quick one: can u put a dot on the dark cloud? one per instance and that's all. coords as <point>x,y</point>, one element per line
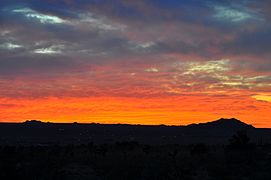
<point>255,43</point>
<point>54,38</point>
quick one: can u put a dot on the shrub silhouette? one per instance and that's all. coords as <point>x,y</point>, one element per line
<point>240,140</point>
<point>132,160</point>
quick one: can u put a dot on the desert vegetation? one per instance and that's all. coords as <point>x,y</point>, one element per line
<point>239,159</point>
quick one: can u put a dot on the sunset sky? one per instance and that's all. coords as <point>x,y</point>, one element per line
<point>171,62</point>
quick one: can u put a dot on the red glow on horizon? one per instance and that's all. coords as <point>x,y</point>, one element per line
<point>169,111</point>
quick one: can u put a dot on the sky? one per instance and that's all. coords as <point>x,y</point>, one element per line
<point>172,62</point>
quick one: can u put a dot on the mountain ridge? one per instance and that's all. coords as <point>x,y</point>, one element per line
<point>222,122</point>
<point>36,132</point>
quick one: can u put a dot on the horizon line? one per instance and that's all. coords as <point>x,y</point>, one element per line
<point>131,124</point>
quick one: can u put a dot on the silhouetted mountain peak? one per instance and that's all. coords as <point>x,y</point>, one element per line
<point>33,122</point>
<point>224,123</point>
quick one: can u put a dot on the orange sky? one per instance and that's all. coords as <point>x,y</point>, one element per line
<point>172,93</point>
<point>171,110</point>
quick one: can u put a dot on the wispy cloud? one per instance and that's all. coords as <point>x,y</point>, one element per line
<point>34,15</point>
<point>231,14</point>
<point>10,46</point>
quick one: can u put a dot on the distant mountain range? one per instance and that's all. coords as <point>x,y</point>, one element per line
<point>215,132</point>
<point>220,123</point>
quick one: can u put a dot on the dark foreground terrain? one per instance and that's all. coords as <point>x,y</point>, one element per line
<point>43,134</point>
<point>226,149</point>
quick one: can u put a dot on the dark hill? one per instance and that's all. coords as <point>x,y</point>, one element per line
<point>226,124</point>
<point>33,122</point>
<point>38,132</point>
